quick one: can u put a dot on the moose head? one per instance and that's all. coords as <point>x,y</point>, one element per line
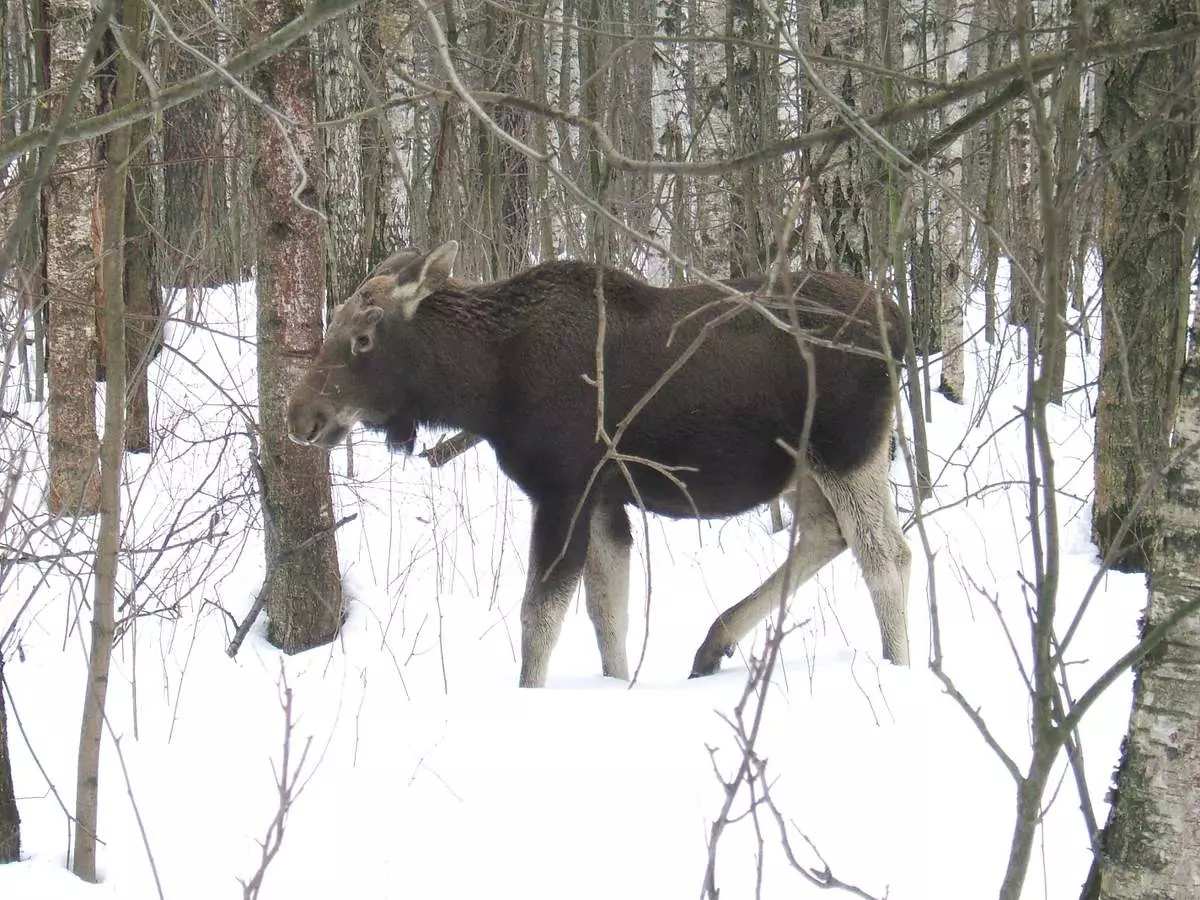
<point>371,356</point>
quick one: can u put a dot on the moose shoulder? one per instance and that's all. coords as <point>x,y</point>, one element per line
<point>703,395</point>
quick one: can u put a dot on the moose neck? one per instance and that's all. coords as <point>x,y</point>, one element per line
<point>458,379</point>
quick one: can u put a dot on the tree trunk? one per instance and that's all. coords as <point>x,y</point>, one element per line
<point>1147,123</point>
<point>503,170</point>
<point>391,138</point>
<point>198,244</point>
<point>1151,846</point>
<point>70,279</point>
<point>304,597</point>
<point>847,225</point>
<point>949,221</point>
<point>10,819</point>
<point>752,85</point>
<point>132,14</point>
<point>143,302</point>
<point>340,96</point>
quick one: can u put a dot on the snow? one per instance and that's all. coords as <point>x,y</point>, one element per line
<point>427,773</point>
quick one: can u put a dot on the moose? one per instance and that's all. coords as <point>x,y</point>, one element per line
<point>598,391</point>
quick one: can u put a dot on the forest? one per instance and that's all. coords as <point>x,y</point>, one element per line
<point>231,661</point>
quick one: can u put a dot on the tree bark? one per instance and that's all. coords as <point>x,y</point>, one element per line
<point>846,228</point>
<point>1147,123</point>
<point>10,819</point>
<point>752,85</point>
<point>340,96</point>
<point>132,14</point>
<point>304,597</point>
<point>70,279</point>
<point>143,301</point>
<point>197,249</point>
<point>1151,846</point>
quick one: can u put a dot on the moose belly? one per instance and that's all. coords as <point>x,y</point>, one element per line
<point>713,478</point>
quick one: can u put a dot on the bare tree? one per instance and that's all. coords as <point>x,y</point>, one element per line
<point>1145,126</point>
<point>70,271</point>
<point>10,819</point>
<point>132,22</point>
<point>198,242</point>
<point>1148,420</point>
<point>304,594</point>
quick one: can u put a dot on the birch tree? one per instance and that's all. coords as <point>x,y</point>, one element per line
<point>1146,124</point>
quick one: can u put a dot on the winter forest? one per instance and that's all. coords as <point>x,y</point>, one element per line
<point>236,662</point>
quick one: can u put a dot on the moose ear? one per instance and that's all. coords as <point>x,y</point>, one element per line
<point>362,337</point>
<point>435,269</point>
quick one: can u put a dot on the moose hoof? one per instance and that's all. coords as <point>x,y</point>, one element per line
<point>708,660</point>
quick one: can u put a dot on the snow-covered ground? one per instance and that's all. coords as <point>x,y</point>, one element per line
<point>426,773</point>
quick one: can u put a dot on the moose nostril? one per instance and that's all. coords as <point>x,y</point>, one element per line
<point>318,425</point>
<point>304,429</point>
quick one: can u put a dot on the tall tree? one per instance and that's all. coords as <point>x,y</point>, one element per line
<point>132,17</point>
<point>70,279</point>
<point>1150,407</point>
<point>752,85</point>
<point>10,819</point>
<point>1147,125</point>
<point>1151,843</point>
<point>504,171</point>
<point>340,96</point>
<point>198,246</point>
<point>143,301</point>
<point>303,587</point>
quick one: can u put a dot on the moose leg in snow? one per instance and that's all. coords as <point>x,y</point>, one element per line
<point>866,514</point>
<point>556,555</point>
<point>818,540</point>
<point>606,584</point>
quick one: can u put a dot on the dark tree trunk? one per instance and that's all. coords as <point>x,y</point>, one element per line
<point>198,246</point>
<point>1147,121</point>
<point>303,589</point>
<point>71,279</point>
<point>10,820</point>
<point>504,171</point>
<point>142,299</point>
<point>752,85</point>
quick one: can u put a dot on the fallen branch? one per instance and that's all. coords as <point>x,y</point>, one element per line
<point>448,448</point>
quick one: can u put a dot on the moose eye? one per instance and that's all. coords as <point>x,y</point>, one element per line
<point>361,343</point>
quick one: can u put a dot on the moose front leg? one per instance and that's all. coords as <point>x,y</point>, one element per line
<point>553,575</point>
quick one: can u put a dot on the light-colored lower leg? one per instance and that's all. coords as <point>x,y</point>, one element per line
<point>542,614</point>
<point>866,513</point>
<point>818,541</point>
<point>606,584</point>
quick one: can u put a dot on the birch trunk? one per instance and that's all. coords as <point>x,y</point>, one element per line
<point>1149,120</point>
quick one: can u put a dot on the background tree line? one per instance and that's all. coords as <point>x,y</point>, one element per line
<point>152,150</point>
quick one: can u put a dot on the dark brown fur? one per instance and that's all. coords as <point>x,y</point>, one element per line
<point>515,361</point>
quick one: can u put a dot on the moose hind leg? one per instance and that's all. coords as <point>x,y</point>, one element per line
<point>862,502</point>
<point>606,584</point>
<point>547,596</point>
<point>818,541</point>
